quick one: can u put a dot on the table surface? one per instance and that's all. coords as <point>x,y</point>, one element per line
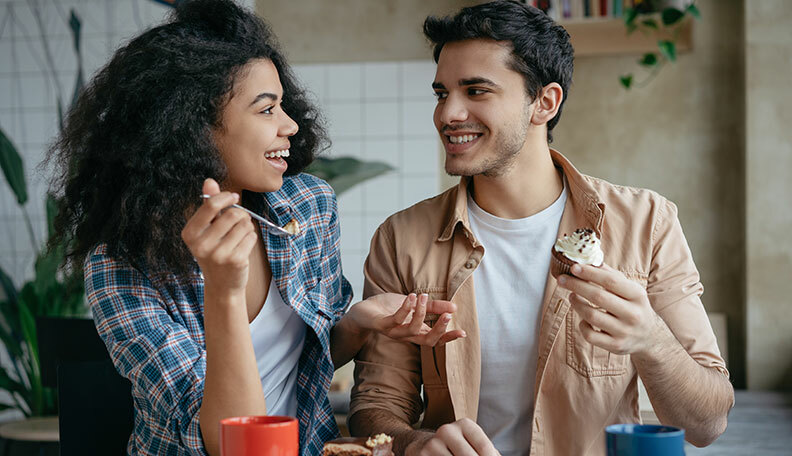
<point>41,429</point>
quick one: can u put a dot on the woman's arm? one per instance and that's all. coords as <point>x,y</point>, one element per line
<point>221,243</point>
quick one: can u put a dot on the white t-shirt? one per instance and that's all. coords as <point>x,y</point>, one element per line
<point>509,284</point>
<point>278,335</point>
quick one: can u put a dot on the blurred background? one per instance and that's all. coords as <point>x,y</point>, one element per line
<point>706,124</point>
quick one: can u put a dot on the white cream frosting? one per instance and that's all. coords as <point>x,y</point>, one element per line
<point>583,246</point>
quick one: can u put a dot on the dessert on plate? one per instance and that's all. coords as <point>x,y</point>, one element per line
<point>379,445</point>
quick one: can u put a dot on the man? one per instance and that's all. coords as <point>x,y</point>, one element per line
<point>540,371</point>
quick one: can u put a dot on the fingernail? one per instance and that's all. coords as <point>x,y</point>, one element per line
<point>447,318</point>
<point>576,269</point>
<point>562,279</point>
<point>464,334</point>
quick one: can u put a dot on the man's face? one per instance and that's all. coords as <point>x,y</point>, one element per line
<point>483,113</point>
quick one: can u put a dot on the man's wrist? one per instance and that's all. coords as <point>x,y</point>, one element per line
<point>417,440</point>
<point>660,340</point>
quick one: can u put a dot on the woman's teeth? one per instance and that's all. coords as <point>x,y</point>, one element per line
<point>277,153</point>
<point>461,139</point>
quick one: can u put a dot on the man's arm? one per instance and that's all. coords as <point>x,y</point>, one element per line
<point>664,329</point>
<point>675,382</point>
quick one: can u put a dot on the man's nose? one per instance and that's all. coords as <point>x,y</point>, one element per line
<point>453,110</point>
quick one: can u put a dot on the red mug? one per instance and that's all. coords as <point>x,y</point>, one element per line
<point>259,436</point>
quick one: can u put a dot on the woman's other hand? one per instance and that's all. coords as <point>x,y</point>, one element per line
<point>221,240</point>
<point>402,318</point>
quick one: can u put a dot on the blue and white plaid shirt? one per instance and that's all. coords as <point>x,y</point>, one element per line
<point>153,324</point>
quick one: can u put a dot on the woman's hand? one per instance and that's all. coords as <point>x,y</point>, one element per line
<point>402,318</point>
<point>221,240</point>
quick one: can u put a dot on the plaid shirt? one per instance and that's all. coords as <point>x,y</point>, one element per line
<point>153,324</point>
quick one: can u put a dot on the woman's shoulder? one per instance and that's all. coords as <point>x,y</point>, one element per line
<point>307,190</point>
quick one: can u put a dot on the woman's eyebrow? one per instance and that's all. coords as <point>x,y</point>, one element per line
<point>263,95</point>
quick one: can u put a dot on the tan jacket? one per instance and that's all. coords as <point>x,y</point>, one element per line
<point>580,388</point>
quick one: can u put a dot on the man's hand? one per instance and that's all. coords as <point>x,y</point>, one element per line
<point>402,318</point>
<point>615,311</point>
<point>460,438</point>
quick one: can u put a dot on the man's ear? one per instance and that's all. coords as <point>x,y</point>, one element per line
<point>547,103</point>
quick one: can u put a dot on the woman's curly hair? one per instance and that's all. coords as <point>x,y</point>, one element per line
<point>138,144</point>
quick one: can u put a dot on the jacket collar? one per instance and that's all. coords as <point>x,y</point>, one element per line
<point>579,189</point>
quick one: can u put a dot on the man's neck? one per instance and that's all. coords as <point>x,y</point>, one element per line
<point>531,185</point>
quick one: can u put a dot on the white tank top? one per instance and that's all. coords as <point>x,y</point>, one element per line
<point>278,335</point>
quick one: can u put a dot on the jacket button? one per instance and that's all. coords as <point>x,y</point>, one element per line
<point>470,264</point>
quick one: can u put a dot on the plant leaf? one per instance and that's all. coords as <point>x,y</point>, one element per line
<point>649,59</point>
<point>14,171</point>
<point>629,15</point>
<point>693,11</point>
<point>650,23</point>
<point>9,384</point>
<point>671,16</point>
<point>668,49</point>
<point>8,286</point>
<point>626,81</point>
<point>51,206</point>
<point>75,25</point>
<point>344,173</point>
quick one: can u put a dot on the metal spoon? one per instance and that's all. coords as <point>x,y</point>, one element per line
<point>271,227</point>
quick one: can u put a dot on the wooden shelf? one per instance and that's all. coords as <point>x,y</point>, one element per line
<point>598,37</point>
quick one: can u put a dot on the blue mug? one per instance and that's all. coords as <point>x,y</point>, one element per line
<point>644,440</point>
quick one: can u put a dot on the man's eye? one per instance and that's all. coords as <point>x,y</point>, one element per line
<point>476,92</point>
<point>440,95</point>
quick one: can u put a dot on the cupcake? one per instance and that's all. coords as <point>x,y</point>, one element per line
<point>379,445</point>
<point>582,247</point>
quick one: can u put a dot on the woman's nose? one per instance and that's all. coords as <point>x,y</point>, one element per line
<point>289,126</point>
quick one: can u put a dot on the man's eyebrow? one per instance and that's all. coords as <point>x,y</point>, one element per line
<point>263,95</point>
<point>438,85</point>
<point>477,81</point>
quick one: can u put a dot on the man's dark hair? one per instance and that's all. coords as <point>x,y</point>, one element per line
<point>135,149</point>
<point>541,50</point>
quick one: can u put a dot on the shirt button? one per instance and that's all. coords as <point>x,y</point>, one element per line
<point>470,264</point>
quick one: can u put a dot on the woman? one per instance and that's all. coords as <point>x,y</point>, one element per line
<point>204,310</point>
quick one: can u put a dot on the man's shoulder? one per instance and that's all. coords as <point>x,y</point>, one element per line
<point>633,202</point>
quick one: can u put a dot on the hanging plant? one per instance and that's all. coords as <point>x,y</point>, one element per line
<point>643,16</point>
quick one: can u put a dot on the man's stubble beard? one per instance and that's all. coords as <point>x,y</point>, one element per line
<point>507,146</point>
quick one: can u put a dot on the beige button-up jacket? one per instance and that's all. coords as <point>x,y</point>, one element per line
<point>580,388</point>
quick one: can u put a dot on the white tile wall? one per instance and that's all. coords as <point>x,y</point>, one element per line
<point>375,110</point>
<point>378,111</point>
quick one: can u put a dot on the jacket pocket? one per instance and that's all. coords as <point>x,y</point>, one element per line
<point>433,358</point>
<point>587,359</point>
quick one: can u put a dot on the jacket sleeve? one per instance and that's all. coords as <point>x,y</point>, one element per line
<point>387,372</point>
<point>675,290</point>
<point>165,365</point>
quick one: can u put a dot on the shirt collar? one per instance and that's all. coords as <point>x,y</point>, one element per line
<point>580,191</point>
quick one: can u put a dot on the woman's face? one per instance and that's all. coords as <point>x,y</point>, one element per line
<point>255,131</point>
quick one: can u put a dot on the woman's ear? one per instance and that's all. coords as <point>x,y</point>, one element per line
<point>547,103</point>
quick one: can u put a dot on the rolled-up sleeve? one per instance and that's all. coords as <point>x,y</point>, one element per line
<point>387,372</point>
<point>675,290</point>
<point>164,364</point>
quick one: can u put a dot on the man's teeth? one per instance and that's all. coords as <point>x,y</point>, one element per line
<point>277,153</point>
<point>462,139</point>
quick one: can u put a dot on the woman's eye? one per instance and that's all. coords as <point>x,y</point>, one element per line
<point>267,110</point>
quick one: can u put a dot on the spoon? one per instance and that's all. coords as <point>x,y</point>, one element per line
<point>271,227</point>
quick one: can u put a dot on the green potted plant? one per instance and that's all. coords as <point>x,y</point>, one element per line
<point>650,17</point>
